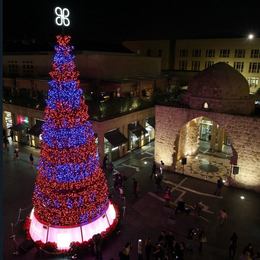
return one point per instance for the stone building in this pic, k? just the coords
(219, 94)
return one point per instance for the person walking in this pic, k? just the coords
(105, 163)
(220, 184)
(134, 188)
(16, 151)
(158, 181)
(12, 135)
(167, 196)
(202, 238)
(31, 159)
(161, 168)
(223, 215)
(124, 254)
(153, 170)
(148, 248)
(233, 246)
(190, 239)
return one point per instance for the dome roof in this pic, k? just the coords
(220, 81)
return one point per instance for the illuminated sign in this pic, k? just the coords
(62, 16)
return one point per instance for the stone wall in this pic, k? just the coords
(243, 132)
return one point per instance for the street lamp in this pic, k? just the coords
(250, 36)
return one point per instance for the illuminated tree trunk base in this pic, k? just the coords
(63, 236)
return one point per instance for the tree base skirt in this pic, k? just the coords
(63, 236)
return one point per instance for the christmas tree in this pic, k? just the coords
(70, 188)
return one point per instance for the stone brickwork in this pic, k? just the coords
(243, 132)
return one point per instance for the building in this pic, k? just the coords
(188, 56)
(112, 72)
(218, 109)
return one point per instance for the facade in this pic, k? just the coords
(102, 74)
(157, 48)
(222, 115)
(184, 58)
(243, 54)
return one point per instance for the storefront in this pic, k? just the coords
(150, 127)
(112, 142)
(35, 133)
(8, 122)
(139, 136)
(24, 137)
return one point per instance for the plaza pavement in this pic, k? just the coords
(141, 217)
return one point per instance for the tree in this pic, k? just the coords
(70, 187)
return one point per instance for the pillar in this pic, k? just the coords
(213, 136)
(220, 139)
(101, 147)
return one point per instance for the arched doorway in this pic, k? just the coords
(203, 150)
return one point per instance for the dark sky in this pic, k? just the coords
(115, 21)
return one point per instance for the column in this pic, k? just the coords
(124, 130)
(213, 136)
(220, 139)
(101, 147)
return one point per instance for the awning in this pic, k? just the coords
(137, 130)
(36, 130)
(151, 121)
(18, 127)
(115, 137)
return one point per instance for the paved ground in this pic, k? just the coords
(141, 217)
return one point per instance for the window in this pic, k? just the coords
(254, 67)
(239, 66)
(210, 53)
(160, 53)
(224, 53)
(208, 64)
(184, 53)
(253, 82)
(255, 53)
(196, 53)
(182, 65)
(149, 53)
(195, 65)
(240, 53)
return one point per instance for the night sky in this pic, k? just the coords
(116, 21)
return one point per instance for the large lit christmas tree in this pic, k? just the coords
(71, 196)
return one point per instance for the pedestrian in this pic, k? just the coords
(223, 215)
(121, 191)
(16, 151)
(105, 163)
(12, 135)
(161, 167)
(180, 253)
(134, 187)
(249, 248)
(202, 238)
(6, 144)
(138, 190)
(158, 252)
(167, 196)
(97, 239)
(181, 207)
(233, 246)
(158, 181)
(190, 239)
(175, 249)
(124, 254)
(153, 170)
(170, 238)
(31, 159)
(148, 248)
(220, 184)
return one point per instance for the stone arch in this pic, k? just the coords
(240, 129)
